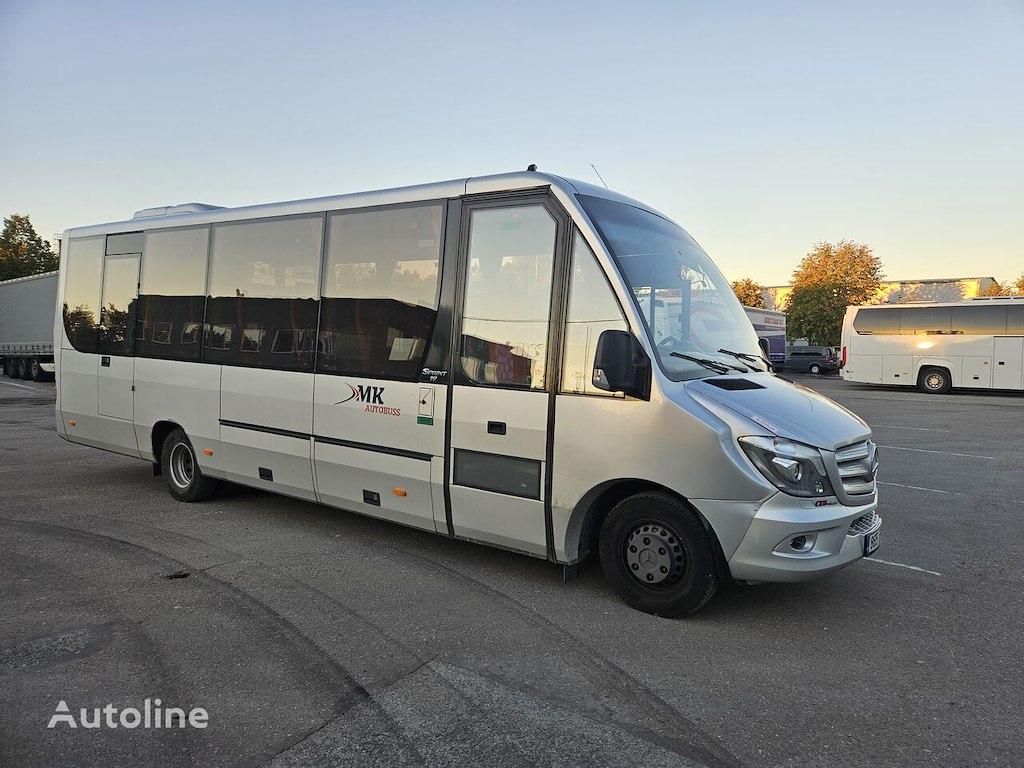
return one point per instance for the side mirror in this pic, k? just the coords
(620, 365)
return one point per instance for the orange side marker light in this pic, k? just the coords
(399, 492)
(207, 452)
(71, 422)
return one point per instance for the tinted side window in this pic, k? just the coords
(877, 321)
(925, 320)
(172, 294)
(508, 296)
(84, 262)
(981, 320)
(117, 306)
(593, 309)
(380, 291)
(1015, 319)
(262, 305)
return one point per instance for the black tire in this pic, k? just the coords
(934, 381)
(180, 469)
(10, 367)
(657, 556)
(23, 371)
(815, 369)
(35, 371)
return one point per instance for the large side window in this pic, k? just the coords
(1015, 319)
(262, 305)
(172, 294)
(877, 322)
(84, 263)
(916, 321)
(508, 296)
(980, 320)
(593, 309)
(118, 304)
(380, 291)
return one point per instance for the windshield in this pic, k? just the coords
(693, 318)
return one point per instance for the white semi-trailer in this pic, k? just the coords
(27, 306)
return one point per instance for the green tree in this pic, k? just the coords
(22, 251)
(749, 293)
(829, 279)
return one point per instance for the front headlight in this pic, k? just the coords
(793, 468)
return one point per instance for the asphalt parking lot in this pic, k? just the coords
(315, 637)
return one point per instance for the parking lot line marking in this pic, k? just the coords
(900, 565)
(915, 429)
(941, 453)
(913, 487)
(12, 384)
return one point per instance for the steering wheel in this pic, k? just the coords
(684, 345)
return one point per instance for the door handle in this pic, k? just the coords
(496, 428)
(105, 361)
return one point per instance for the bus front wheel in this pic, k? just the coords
(657, 556)
(934, 381)
(178, 464)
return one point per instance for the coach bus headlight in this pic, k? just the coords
(793, 468)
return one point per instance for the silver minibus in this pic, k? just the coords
(520, 360)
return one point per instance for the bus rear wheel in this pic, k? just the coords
(178, 464)
(934, 381)
(657, 556)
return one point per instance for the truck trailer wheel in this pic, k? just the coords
(35, 370)
(23, 372)
(657, 555)
(178, 464)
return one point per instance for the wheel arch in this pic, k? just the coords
(158, 434)
(594, 507)
(924, 363)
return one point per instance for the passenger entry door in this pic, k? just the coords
(500, 438)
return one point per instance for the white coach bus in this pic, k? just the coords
(976, 344)
(473, 358)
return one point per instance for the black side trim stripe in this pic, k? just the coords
(328, 440)
(266, 430)
(375, 448)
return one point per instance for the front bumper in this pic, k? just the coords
(833, 537)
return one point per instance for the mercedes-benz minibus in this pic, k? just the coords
(520, 360)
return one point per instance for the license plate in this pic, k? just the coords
(871, 542)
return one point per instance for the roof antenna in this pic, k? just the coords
(599, 175)
(531, 167)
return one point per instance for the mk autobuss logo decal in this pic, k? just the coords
(372, 398)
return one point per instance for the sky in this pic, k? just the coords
(761, 127)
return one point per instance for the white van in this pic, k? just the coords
(475, 358)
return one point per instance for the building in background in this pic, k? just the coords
(901, 291)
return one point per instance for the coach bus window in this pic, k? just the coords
(82, 292)
(264, 279)
(508, 296)
(593, 309)
(380, 291)
(916, 321)
(1015, 320)
(877, 322)
(172, 293)
(980, 320)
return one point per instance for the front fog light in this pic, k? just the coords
(793, 468)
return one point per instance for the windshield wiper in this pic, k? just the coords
(711, 365)
(752, 358)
